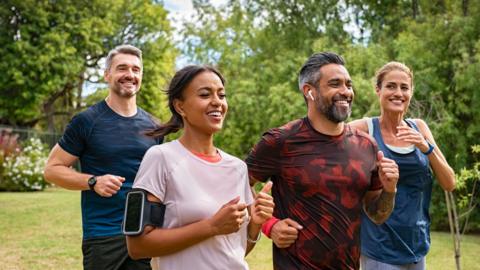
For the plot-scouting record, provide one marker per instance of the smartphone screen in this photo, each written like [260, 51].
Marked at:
[133, 213]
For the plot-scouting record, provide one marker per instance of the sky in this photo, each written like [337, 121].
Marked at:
[178, 10]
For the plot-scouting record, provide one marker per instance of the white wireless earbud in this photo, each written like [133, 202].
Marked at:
[310, 95]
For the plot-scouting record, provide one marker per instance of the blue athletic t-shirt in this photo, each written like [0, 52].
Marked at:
[107, 143]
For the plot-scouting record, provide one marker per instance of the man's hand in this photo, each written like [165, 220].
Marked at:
[379, 204]
[285, 232]
[108, 185]
[387, 172]
[262, 208]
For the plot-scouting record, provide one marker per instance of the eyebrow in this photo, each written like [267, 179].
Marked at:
[127, 65]
[208, 88]
[338, 80]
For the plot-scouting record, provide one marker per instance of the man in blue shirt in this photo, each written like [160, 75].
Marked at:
[108, 139]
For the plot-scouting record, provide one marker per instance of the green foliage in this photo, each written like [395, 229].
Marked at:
[23, 169]
[51, 48]
[260, 46]
[468, 186]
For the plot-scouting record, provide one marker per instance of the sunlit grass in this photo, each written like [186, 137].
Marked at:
[42, 230]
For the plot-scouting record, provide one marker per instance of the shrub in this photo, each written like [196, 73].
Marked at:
[22, 169]
[467, 194]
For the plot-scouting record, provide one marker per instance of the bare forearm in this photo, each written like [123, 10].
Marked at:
[443, 172]
[161, 242]
[253, 232]
[379, 209]
[66, 177]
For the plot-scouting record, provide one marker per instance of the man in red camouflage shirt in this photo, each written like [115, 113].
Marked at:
[323, 173]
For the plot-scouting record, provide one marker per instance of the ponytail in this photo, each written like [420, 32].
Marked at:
[173, 125]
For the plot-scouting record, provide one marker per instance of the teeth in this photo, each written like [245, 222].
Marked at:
[217, 114]
[342, 102]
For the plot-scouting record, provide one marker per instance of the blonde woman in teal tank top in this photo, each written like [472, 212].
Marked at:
[403, 241]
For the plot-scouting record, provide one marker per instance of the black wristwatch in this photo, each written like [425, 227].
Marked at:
[91, 182]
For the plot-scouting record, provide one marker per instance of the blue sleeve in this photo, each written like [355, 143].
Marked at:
[74, 138]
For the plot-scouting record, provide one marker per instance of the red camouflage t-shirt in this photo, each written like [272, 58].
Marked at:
[318, 181]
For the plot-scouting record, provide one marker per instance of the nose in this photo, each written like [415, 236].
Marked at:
[346, 90]
[129, 73]
[216, 101]
[397, 91]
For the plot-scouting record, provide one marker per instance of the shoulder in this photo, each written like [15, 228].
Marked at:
[164, 149]
[360, 124]
[86, 119]
[231, 158]
[421, 125]
[91, 113]
[289, 129]
[359, 135]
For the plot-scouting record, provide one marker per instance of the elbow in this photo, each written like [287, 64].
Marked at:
[450, 182]
[133, 250]
[379, 221]
[134, 255]
[450, 186]
[47, 175]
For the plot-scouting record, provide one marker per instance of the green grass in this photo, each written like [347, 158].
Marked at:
[42, 230]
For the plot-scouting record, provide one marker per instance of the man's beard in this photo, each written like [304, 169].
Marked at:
[331, 111]
[117, 88]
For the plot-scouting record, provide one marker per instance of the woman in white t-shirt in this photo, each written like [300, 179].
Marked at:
[212, 219]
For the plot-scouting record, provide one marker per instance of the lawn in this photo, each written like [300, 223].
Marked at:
[42, 230]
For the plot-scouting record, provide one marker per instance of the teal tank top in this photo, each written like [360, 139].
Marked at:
[405, 237]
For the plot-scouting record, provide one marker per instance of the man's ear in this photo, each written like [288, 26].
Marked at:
[178, 105]
[106, 75]
[307, 92]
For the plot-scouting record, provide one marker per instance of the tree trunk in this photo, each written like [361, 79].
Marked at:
[454, 226]
[414, 9]
[49, 110]
[465, 7]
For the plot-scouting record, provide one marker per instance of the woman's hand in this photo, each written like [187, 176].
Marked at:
[410, 135]
[229, 218]
[262, 208]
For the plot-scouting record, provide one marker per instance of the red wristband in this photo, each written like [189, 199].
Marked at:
[268, 225]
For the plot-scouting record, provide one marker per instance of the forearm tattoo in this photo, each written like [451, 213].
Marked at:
[380, 209]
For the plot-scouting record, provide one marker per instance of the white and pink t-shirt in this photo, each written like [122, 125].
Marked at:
[192, 190]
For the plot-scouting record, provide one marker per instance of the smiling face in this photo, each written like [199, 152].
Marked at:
[395, 91]
[334, 94]
[203, 106]
[124, 76]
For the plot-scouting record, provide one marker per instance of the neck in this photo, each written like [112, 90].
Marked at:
[390, 121]
[199, 143]
[323, 125]
[125, 107]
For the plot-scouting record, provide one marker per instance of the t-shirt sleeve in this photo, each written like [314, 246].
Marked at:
[263, 160]
[75, 135]
[151, 174]
[375, 183]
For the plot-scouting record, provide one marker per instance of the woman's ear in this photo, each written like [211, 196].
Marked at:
[178, 105]
[377, 90]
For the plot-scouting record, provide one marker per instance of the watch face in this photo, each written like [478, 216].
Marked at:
[92, 181]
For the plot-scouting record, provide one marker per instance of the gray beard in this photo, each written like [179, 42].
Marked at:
[335, 115]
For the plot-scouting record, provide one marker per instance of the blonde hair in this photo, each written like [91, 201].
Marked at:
[391, 66]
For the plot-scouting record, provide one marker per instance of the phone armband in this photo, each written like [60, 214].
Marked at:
[140, 212]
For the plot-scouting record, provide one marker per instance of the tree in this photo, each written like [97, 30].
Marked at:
[51, 48]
